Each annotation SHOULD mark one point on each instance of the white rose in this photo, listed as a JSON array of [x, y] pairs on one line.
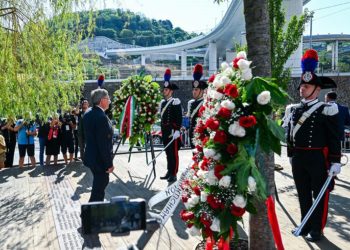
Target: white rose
[[225, 181], [228, 72], [225, 80], [211, 178], [251, 184], [217, 95], [192, 201], [224, 65], [236, 130], [208, 152], [247, 74], [202, 174], [264, 97], [243, 64], [217, 83], [194, 231], [239, 201], [215, 225], [187, 205], [242, 54], [217, 157], [228, 104], [204, 196]]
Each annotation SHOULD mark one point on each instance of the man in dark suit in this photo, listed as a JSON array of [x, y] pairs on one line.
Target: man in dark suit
[[98, 134], [343, 117]]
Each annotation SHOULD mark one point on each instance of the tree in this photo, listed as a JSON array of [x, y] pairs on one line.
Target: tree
[[258, 36], [41, 69], [285, 39]]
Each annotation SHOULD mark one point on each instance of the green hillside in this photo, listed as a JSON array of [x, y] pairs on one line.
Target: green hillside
[[134, 28]]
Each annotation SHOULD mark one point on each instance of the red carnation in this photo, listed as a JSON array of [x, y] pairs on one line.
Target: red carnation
[[185, 216], [235, 61], [211, 78], [213, 124], [199, 148], [231, 149], [196, 190], [237, 211], [205, 220], [205, 140], [217, 171], [231, 90], [189, 225], [201, 110], [184, 198], [247, 121], [224, 113], [204, 164], [199, 129], [220, 137], [213, 202]]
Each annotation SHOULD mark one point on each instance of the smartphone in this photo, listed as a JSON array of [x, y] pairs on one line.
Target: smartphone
[[116, 217]]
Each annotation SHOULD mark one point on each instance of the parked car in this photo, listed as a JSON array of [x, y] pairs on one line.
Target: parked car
[[156, 133], [116, 134]]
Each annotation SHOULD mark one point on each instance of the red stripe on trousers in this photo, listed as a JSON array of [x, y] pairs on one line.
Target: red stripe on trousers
[[176, 152]]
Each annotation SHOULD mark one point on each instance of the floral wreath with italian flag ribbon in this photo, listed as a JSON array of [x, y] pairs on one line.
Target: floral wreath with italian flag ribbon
[[136, 107], [224, 179]]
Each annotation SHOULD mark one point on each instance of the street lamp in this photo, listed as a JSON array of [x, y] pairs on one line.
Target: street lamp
[[311, 16]]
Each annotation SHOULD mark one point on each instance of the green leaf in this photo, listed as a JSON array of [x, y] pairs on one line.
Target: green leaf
[[242, 175], [276, 130], [226, 220]]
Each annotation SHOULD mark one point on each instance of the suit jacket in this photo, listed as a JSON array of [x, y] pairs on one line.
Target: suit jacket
[[98, 134], [344, 119]]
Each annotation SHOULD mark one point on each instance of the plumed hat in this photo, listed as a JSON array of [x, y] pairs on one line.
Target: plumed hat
[[309, 63], [167, 84], [197, 75], [100, 80]]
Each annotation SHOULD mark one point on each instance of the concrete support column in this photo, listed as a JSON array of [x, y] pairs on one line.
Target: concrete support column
[[183, 63], [335, 57], [294, 8], [212, 58], [143, 60]]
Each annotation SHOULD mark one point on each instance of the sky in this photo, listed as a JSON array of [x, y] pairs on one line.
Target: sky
[[331, 16]]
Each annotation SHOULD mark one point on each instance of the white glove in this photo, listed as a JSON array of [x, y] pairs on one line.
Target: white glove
[[176, 134], [335, 169]]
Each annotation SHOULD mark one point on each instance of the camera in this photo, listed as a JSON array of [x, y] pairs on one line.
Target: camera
[[120, 215]]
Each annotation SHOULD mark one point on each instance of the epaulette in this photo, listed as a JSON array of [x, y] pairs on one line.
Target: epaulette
[[330, 109], [176, 101], [161, 101]]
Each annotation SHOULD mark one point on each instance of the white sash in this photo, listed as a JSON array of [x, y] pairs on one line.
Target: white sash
[[166, 106], [303, 118], [196, 109]]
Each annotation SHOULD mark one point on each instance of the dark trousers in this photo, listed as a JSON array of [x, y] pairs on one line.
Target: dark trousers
[[76, 143], [310, 173], [10, 152], [99, 184], [191, 135], [172, 152]]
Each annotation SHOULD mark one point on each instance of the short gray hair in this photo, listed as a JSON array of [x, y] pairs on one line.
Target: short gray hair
[[97, 95]]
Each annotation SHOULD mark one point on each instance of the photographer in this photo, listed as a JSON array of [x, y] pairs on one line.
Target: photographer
[[67, 141], [26, 131], [7, 129]]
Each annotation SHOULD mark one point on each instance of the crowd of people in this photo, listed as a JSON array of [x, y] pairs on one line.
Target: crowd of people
[[63, 132]]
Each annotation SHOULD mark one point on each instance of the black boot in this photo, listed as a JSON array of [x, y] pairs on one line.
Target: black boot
[[313, 236], [172, 178], [165, 176]]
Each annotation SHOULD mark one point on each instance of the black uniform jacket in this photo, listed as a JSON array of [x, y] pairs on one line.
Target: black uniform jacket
[[318, 131]]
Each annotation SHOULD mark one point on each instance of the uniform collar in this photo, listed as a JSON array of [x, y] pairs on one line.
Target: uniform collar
[[169, 99], [309, 102], [200, 99]]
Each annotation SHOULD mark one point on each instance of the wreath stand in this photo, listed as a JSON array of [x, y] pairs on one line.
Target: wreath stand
[[147, 149]]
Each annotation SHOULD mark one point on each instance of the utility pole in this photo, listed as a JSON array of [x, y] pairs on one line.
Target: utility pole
[[311, 16]]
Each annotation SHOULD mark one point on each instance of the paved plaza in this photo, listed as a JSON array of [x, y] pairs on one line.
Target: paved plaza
[[40, 207]]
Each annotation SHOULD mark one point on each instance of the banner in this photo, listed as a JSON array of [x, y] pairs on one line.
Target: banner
[[174, 193]]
